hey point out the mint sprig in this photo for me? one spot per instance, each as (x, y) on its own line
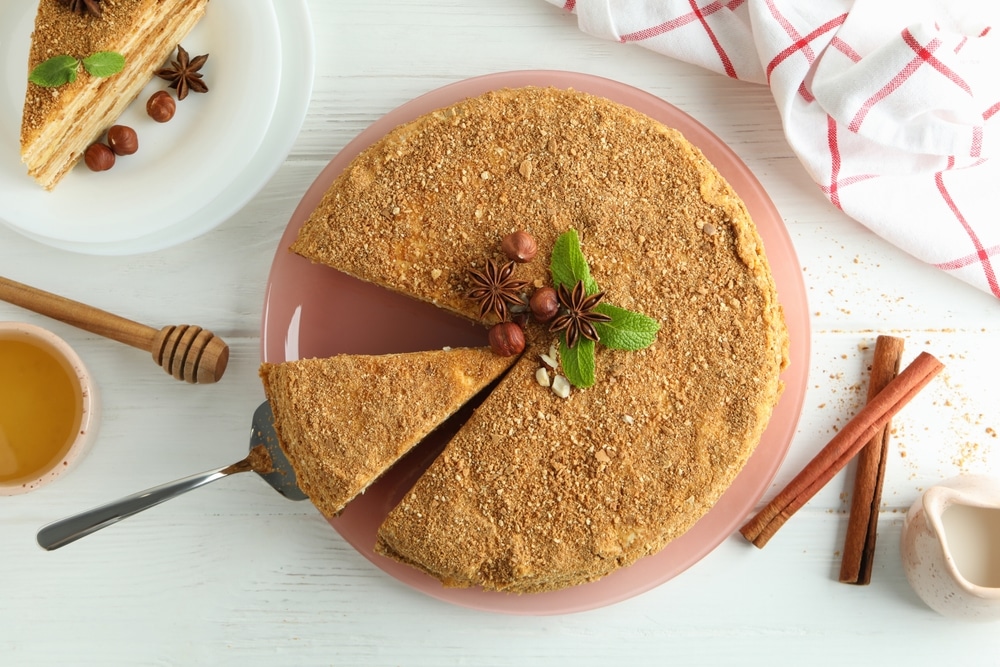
(104, 63)
(54, 72)
(60, 70)
(578, 362)
(568, 265)
(627, 330)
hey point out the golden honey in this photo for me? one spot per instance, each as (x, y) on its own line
(40, 409)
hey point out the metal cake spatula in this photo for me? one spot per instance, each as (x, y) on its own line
(263, 444)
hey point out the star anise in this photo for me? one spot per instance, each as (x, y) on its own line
(579, 318)
(494, 288)
(92, 7)
(183, 73)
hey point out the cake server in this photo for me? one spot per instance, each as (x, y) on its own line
(277, 472)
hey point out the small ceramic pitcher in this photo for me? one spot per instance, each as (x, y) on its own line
(951, 547)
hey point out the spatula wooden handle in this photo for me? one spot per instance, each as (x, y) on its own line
(187, 352)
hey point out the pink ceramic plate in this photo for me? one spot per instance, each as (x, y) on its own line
(310, 310)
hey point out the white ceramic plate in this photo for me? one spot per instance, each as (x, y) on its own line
(190, 174)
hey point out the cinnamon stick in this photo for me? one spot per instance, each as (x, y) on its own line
(842, 448)
(862, 524)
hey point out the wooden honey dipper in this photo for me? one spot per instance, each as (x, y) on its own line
(187, 352)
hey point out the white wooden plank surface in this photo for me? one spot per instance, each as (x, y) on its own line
(234, 574)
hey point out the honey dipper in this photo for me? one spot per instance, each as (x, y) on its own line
(187, 352)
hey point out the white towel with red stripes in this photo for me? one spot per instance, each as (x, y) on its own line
(893, 106)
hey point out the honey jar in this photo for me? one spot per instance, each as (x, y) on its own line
(47, 407)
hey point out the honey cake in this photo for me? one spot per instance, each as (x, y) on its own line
(59, 123)
(537, 492)
(344, 420)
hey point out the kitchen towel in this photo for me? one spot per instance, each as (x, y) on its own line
(892, 106)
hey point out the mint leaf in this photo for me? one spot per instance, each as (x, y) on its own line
(627, 329)
(104, 63)
(568, 264)
(54, 72)
(578, 362)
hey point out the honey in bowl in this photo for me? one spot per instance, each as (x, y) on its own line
(44, 407)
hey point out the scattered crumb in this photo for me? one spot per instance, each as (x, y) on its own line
(260, 460)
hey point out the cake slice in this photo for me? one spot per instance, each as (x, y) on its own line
(344, 420)
(60, 122)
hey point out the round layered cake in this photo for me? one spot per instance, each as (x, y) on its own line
(540, 491)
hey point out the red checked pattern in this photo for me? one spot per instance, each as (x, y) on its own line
(882, 102)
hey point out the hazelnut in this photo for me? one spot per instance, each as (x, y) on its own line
(122, 140)
(161, 106)
(99, 157)
(519, 247)
(506, 339)
(544, 304)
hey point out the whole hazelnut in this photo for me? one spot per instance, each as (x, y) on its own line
(161, 106)
(122, 140)
(506, 339)
(99, 157)
(544, 304)
(519, 247)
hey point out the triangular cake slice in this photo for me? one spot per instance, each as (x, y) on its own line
(344, 420)
(60, 122)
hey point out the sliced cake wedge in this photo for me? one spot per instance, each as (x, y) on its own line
(344, 420)
(59, 122)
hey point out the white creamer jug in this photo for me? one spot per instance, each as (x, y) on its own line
(951, 547)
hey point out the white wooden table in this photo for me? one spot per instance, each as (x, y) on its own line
(234, 574)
